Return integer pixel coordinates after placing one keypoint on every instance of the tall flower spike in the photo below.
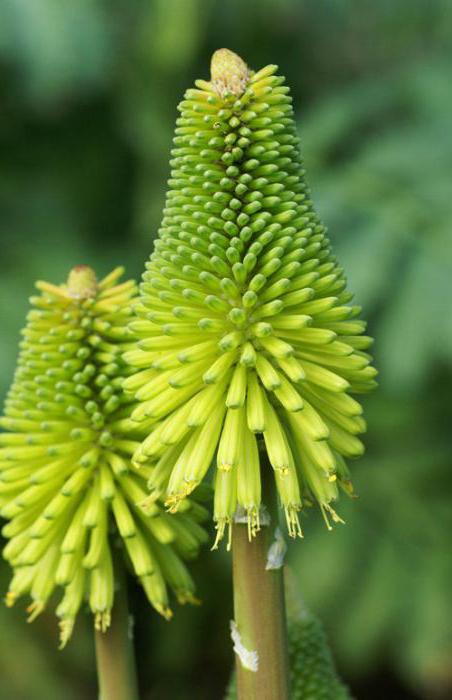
(67, 484)
(244, 316)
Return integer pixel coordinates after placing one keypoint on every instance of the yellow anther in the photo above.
(10, 599)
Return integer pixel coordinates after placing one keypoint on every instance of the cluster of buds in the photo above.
(68, 486)
(249, 349)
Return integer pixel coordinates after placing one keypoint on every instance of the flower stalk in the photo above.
(260, 616)
(115, 659)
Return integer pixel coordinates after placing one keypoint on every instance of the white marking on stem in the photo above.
(241, 516)
(276, 552)
(248, 658)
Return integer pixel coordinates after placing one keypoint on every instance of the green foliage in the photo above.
(382, 154)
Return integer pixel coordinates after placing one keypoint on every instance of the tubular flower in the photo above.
(67, 483)
(248, 342)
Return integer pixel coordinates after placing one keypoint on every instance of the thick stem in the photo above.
(115, 658)
(260, 616)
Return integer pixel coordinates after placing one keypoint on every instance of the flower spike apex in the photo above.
(229, 73)
(81, 282)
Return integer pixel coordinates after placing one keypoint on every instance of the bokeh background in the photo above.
(88, 95)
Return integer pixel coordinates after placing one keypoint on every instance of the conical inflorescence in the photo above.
(248, 342)
(67, 483)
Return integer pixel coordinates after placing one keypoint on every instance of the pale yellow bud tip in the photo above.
(81, 282)
(229, 73)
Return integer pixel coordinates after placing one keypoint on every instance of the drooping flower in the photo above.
(67, 483)
(249, 348)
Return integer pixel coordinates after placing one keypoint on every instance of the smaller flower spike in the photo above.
(248, 342)
(67, 483)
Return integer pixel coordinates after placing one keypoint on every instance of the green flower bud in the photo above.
(68, 485)
(244, 313)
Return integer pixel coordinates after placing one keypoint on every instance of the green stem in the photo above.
(260, 616)
(115, 659)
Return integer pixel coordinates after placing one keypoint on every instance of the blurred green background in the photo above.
(88, 94)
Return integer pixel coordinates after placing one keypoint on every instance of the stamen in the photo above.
(35, 609)
(66, 627)
(325, 517)
(102, 620)
(10, 599)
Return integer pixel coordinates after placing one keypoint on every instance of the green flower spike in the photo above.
(248, 340)
(67, 484)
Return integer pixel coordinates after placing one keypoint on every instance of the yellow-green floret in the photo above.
(248, 341)
(68, 486)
